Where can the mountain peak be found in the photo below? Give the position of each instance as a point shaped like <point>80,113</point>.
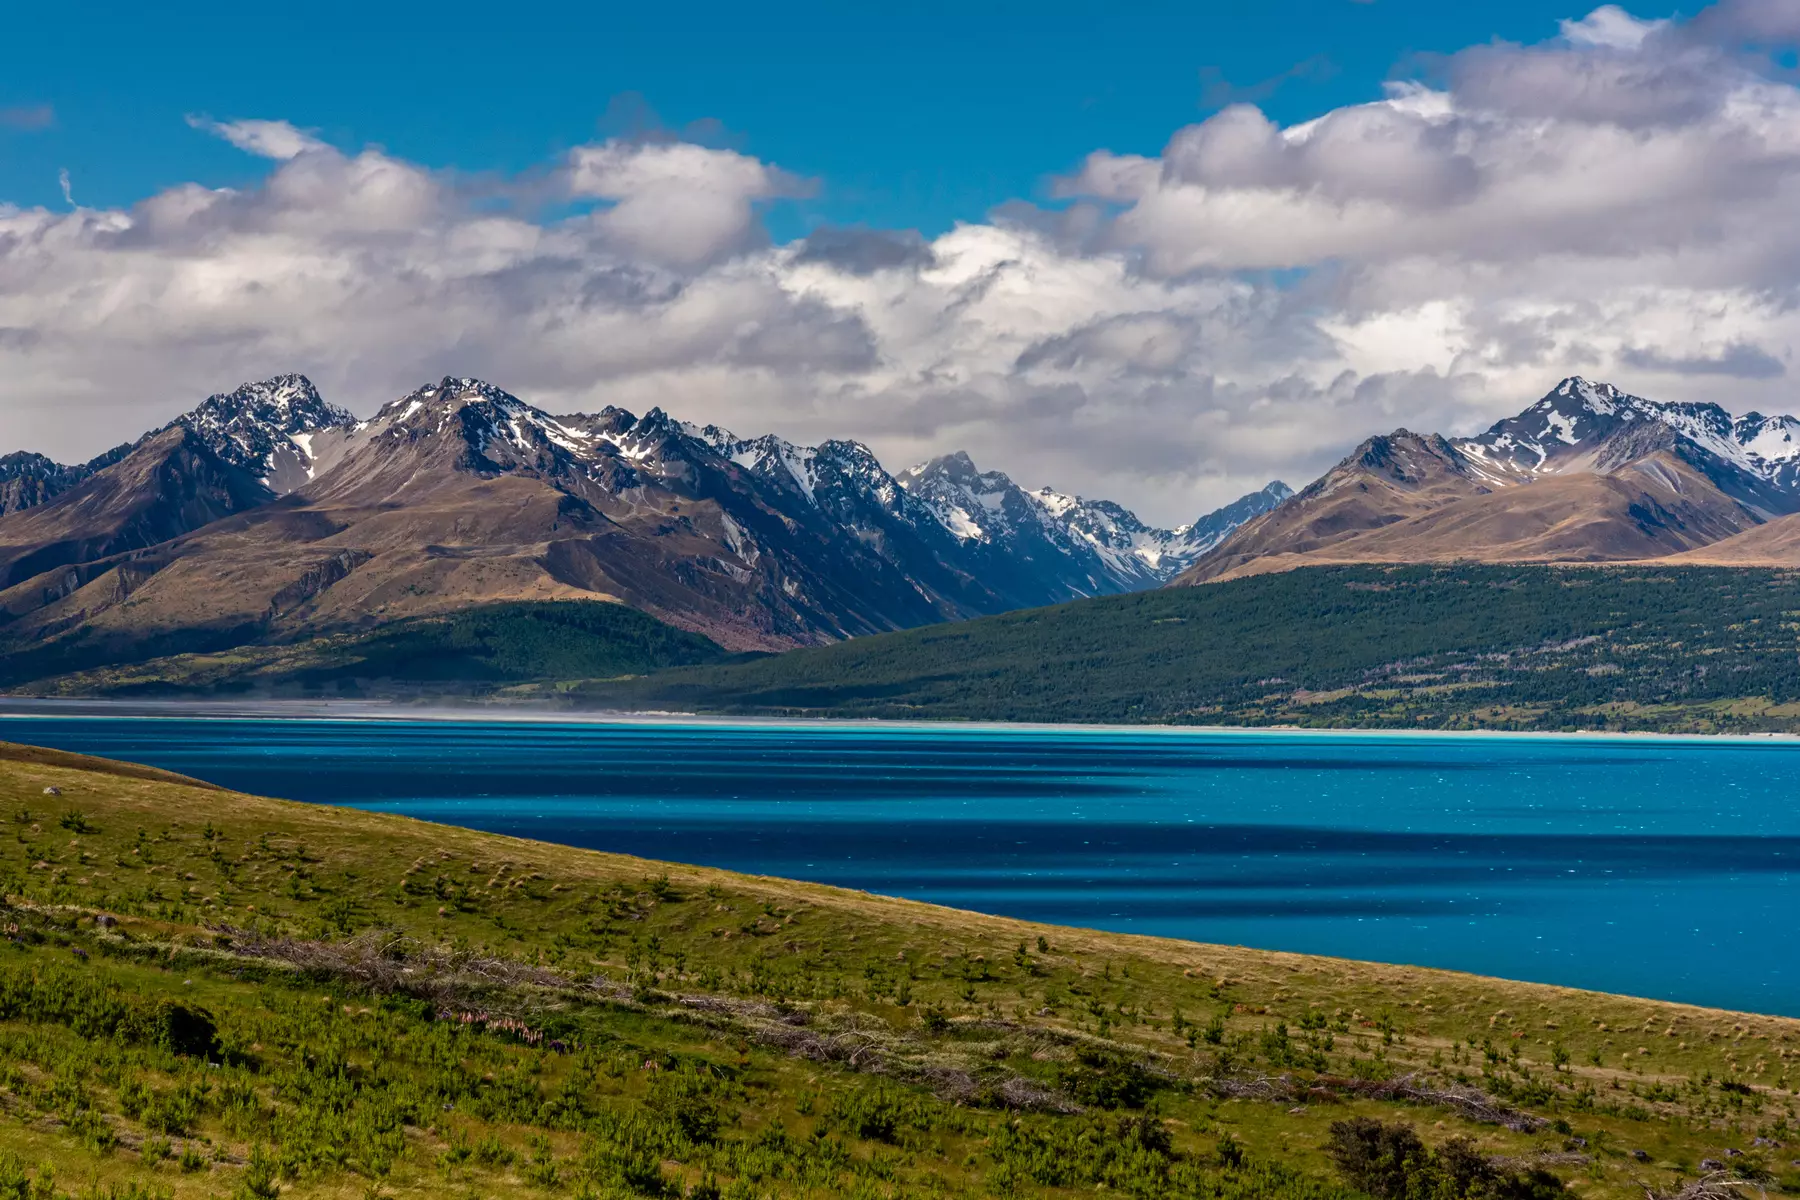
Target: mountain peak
<point>284,404</point>
<point>452,390</point>
<point>955,465</point>
<point>265,427</point>
<point>1595,397</point>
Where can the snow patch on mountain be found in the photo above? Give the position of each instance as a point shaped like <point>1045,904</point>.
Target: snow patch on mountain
<point>267,428</point>
<point>1555,433</point>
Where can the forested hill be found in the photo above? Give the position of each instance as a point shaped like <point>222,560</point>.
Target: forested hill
<point>1507,647</point>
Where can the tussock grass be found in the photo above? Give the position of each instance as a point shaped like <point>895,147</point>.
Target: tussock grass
<point>209,993</point>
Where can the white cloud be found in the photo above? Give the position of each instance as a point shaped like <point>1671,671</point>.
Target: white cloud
<point>265,139</point>
<point>676,202</point>
<point>1611,27</point>
<point>1615,200</point>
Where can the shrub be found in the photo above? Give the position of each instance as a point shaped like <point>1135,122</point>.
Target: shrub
<point>1391,1163</point>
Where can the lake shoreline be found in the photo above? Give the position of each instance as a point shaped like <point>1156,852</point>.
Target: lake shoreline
<point>1620,864</point>
<point>28,708</point>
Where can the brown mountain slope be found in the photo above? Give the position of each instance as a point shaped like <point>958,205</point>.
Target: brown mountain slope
<point>1586,474</point>
<point>1387,480</point>
<point>461,494</point>
<point>1596,510</point>
<point>170,484</point>
<point>1775,544</point>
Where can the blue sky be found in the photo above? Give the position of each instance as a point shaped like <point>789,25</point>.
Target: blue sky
<point>909,116</point>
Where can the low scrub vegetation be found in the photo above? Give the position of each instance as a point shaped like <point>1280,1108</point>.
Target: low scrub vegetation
<point>205,994</point>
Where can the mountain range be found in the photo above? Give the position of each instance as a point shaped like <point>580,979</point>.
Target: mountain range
<point>1586,474</point>
<point>268,514</point>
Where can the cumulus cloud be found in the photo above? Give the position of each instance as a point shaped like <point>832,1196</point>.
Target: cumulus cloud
<point>677,202</point>
<point>1178,328</point>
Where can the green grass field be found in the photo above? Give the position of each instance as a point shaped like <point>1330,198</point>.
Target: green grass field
<point>211,994</point>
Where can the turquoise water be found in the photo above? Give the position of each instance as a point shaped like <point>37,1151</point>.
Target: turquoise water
<point>1659,868</point>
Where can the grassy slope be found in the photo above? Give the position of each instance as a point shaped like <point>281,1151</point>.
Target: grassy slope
<point>1511,647</point>
<point>785,1039</point>
<point>480,649</point>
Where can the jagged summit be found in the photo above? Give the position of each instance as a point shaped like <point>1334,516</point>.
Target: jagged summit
<point>266,428</point>
<point>1121,552</point>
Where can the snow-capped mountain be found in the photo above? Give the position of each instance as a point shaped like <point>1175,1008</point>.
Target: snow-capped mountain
<point>267,428</point>
<point>1103,547</point>
<point>1588,473</point>
<point>1135,551</point>
<point>461,493</point>
<point>1585,426</point>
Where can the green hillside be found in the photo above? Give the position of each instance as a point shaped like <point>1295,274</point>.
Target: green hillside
<point>1508,647</point>
<point>206,994</point>
<point>475,651</point>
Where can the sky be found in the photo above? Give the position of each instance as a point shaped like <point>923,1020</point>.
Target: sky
<point>1149,252</point>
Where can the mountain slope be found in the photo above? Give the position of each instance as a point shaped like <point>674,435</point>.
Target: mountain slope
<point>1522,647</point>
<point>460,494</point>
<point>169,485</point>
<point>1385,481</point>
<point>1587,474</point>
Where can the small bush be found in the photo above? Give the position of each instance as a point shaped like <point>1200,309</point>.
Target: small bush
<point>1390,1163</point>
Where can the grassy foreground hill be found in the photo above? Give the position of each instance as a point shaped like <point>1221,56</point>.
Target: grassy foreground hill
<point>210,994</point>
<point>1422,647</point>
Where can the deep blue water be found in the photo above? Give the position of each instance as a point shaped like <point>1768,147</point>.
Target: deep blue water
<point>1658,868</point>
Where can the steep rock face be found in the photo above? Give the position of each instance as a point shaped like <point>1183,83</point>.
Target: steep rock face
<point>1044,546</point>
<point>1586,474</point>
<point>1009,538</point>
<point>1135,555</point>
<point>28,480</point>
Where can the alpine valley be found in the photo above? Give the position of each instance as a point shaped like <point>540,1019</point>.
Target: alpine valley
<point>267,516</point>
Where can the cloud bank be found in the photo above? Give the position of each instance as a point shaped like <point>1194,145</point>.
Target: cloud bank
<point>1171,331</point>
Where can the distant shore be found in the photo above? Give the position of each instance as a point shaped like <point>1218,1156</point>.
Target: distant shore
<point>29,708</point>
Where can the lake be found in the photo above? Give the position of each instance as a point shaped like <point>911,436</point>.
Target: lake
<point>1660,868</point>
